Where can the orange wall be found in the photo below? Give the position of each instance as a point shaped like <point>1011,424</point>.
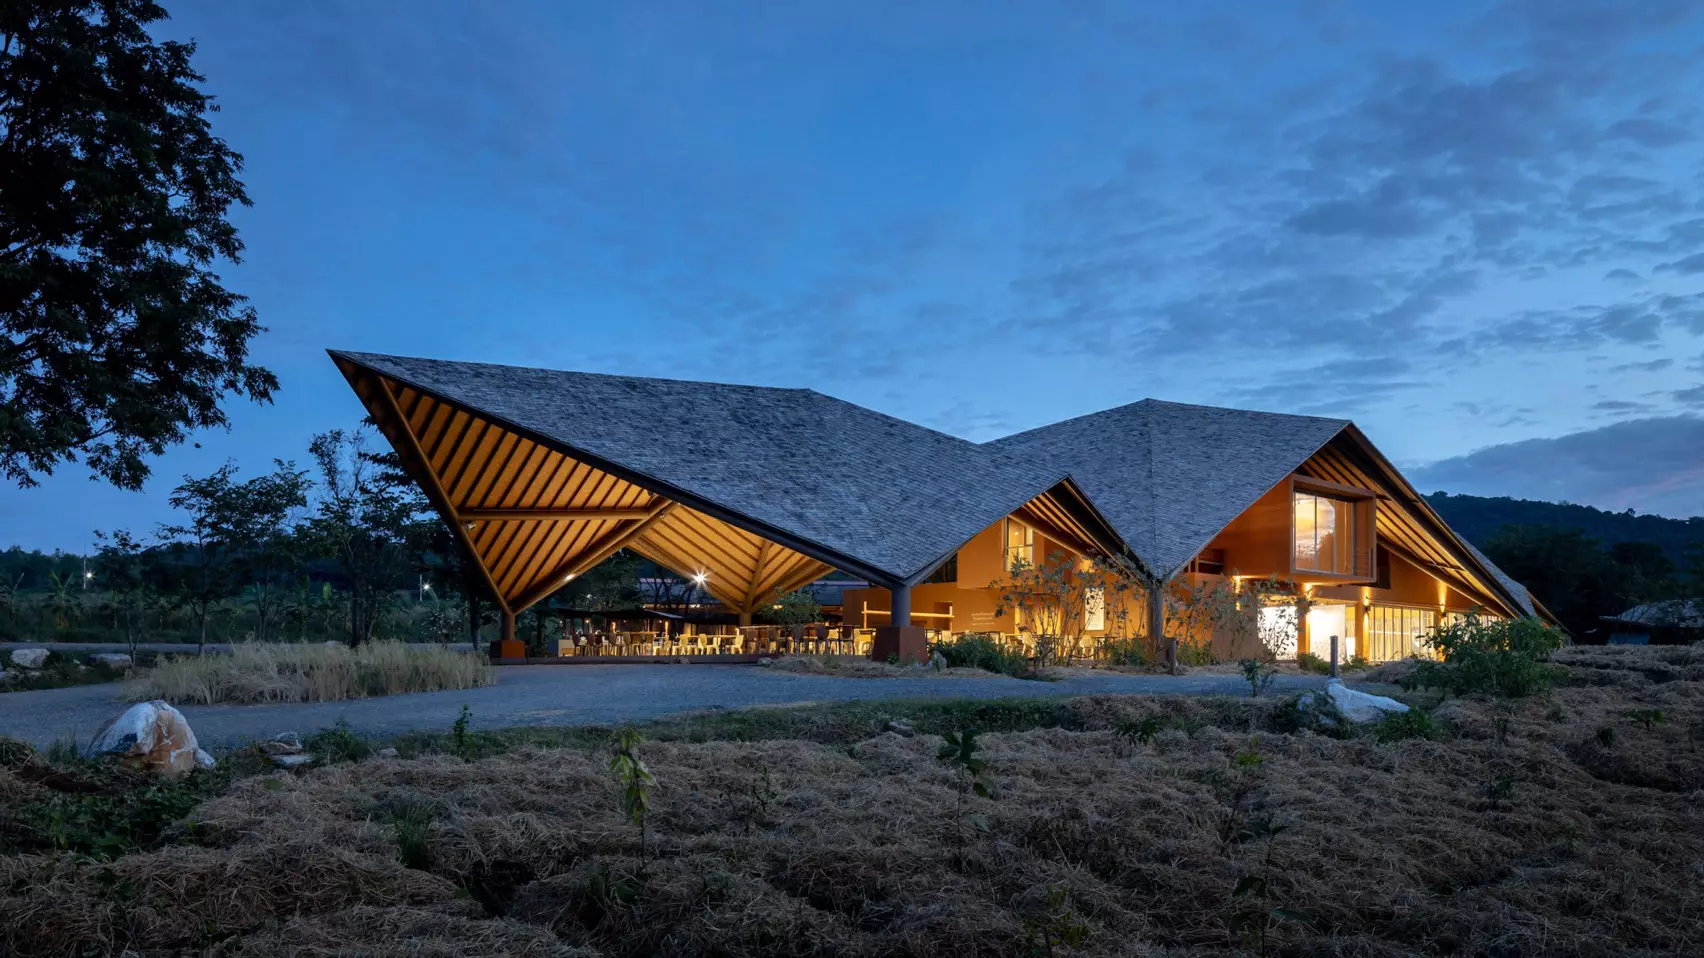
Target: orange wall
<point>1257,543</point>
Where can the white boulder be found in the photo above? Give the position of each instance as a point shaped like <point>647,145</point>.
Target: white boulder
<point>29,658</point>
<point>117,661</point>
<point>296,760</point>
<point>1360,707</point>
<point>155,736</point>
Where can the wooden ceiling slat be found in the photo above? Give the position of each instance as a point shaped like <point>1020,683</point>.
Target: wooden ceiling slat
<point>516,543</point>
<point>553,549</point>
<point>437,427</point>
<point>738,545</point>
<point>545,494</point>
<point>490,470</point>
<point>531,462</point>
<point>457,433</point>
<point>472,446</point>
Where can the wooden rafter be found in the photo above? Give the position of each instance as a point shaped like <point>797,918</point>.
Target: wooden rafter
<point>611,543</point>
<point>433,488</point>
<point>565,515</point>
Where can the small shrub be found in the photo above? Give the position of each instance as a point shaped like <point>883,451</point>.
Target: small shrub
<point>339,743</point>
<point>461,740</point>
<point>636,782</point>
<point>1259,676</point>
<point>1414,723</point>
<point>1504,657</point>
<point>1606,737</point>
<point>1310,662</point>
<point>1126,653</point>
<point>1646,719</point>
<point>1145,731</point>
<point>981,652</point>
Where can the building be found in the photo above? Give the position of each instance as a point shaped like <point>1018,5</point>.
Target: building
<point>1674,622</point>
<point>748,490</point>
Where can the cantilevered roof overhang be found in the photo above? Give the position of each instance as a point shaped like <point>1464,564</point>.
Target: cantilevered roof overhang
<point>543,474</point>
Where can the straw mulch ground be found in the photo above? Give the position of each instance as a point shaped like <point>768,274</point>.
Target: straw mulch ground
<point>1529,830</point>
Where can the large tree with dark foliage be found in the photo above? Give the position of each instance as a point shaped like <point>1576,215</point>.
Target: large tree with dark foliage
<point>116,338</point>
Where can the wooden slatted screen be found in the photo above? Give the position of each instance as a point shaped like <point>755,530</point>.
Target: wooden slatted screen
<point>584,514</point>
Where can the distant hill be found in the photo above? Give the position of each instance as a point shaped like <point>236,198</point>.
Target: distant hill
<point>1478,518</point>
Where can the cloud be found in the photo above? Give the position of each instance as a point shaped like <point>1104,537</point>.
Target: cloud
<point>1652,464</point>
<point>1648,366</point>
<point>1692,396</point>
<point>1648,132</point>
<point>1687,266</point>
<point>1621,275</point>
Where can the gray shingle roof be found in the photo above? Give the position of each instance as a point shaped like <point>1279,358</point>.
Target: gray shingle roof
<point>1671,613</point>
<point>886,493</point>
<point>1519,591</point>
<point>1169,476</point>
<point>866,486</point>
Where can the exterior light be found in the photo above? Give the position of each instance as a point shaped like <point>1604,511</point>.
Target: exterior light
<point>570,578</point>
<point>88,575</point>
<point>700,577</point>
<point>427,586</point>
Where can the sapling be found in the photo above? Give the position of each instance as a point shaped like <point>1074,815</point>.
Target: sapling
<point>636,782</point>
<point>959,750</point>
<point>1259,676</point>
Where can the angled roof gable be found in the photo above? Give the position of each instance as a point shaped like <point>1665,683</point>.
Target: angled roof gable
<point>887,495</point>
<point>1169,476</point>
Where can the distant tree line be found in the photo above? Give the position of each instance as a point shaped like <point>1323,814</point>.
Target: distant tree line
<point>348,548</point>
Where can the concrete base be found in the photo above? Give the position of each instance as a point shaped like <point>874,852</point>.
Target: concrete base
<point>909,642</point>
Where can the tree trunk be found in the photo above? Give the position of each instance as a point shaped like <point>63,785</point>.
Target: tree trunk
<point>472,616</point>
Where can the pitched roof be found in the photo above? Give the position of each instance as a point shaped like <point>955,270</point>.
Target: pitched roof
<point>1519,591</point>
<point>1169,476</point>
<point>1671,613</point>
<point>876,490</point>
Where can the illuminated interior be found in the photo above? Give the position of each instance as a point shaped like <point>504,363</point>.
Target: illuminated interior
<point>1325,533</point>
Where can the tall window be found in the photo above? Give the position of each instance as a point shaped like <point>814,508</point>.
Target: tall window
<point>1020,544</point>
<point>1396,632</point>
<point>1325,533</point>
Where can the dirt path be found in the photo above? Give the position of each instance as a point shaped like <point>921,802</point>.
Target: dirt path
<point>574,695</point>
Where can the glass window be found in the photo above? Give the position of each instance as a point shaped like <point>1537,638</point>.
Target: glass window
<point>1397,632</point>
<point>1325,533</point>
<point>1020,543</point>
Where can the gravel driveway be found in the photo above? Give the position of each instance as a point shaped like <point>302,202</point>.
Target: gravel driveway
<point>572,695</point>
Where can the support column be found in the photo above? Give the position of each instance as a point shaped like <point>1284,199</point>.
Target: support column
<point>899,638</point>
<point>745,618</point>
<point>506,646</point>
<point>1157,624</point>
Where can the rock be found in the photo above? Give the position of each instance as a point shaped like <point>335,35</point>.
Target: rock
<point>288,738</point>
<point>276,748</point>
<point>938,662</point>
<point>901,728</point>
<point>386,752</point>
<point>6,676</point>
<point>29,658</point>
<point>292,761</point>
<point>116,661</point>
<point>1360,707</point>
<point>765,660</point>
<point>155,736</point>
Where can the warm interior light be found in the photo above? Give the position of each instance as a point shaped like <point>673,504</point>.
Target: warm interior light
<point>570,577</point>
<point>700,577</point>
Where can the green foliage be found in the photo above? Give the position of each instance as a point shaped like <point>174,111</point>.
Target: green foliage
<point>978,651</point>
<point>339,743</point>
<point>1309,662</point>
<point>1606,737</point>
<point>1053,924</point>
<point>958,749</point>
<point>1580,580</point>
<point>1414,723</point>
<point>61,670</point>
<point>116,338</point>
<point>1126,653</point>
<point>411,821</point>
<point>1254,916</point>
<point>792,608</point>
<point>461,742</point>
<point>1505,657</point>
<point>1144,731</point>
<point>1646,719</point>
<point>1258,675</point>
<point>635,780</point>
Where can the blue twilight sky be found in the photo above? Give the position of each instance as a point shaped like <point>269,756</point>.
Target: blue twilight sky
<point>1475,228</point>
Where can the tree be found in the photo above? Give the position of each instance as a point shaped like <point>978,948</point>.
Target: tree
<point>116,338</point>
<point>259,520</point>
<point>122,565</point>
<point>362,523</point>
<point>203,541</point>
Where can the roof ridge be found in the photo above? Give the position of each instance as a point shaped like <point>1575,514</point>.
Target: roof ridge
<point>360,355</point>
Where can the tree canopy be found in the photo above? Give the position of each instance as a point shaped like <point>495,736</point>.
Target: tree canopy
<point>116,337</point>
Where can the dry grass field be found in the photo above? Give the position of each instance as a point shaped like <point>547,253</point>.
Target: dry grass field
<point>323,672</point>
<point>1568,824</point>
